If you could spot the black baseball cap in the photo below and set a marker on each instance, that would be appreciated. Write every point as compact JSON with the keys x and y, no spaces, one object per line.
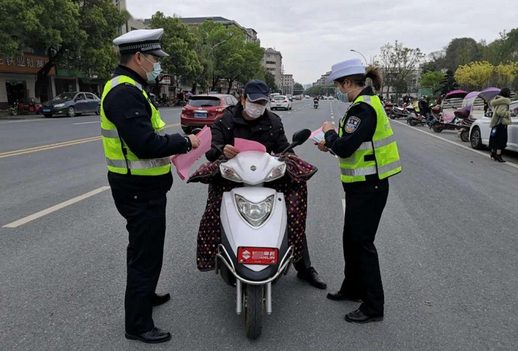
{"x":256,"y":90}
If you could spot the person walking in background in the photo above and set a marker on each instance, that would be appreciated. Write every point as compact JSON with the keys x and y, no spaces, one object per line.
{"x":499,"y":122}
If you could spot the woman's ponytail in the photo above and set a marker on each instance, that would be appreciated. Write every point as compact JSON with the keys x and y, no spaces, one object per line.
{"x":374,"y":74}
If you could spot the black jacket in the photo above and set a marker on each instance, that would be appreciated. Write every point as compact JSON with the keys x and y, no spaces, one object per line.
{"x":127,"y":108}
{"x":354,"y":136}
{"x":267,"y":130}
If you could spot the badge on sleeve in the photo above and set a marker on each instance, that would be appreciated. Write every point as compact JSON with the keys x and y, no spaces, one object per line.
{"x":352,"y":124}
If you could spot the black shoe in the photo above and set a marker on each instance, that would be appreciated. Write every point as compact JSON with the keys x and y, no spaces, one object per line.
{"x":340,"y":296}
{"x":311,"y":276}
{"x":360,"y":317}
{"x":154,"y":336}
{"x":499,"y":158}
{"x":158,"y":300}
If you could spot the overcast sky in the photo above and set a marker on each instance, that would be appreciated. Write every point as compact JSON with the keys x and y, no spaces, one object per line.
{"x":314,"y":34}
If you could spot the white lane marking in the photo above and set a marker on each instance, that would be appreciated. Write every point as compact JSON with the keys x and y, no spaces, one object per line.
{"x":343,"y":204}
{"x":511,"y":164}
{"x":76,"y":124}
{"x":29,"y":120}
{"x":55,"y":208}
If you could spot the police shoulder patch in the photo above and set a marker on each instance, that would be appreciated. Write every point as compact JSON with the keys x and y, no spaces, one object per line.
{"x":352,"y":124}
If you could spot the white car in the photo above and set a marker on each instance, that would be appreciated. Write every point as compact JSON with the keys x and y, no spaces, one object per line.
{"x":280,"y":101}
{"x":479,"y":131}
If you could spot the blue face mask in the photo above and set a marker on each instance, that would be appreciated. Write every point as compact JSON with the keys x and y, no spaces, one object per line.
{"x":155,"y":73}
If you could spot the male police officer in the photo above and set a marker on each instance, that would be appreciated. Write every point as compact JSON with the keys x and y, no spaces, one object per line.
{"x":139,"y":172}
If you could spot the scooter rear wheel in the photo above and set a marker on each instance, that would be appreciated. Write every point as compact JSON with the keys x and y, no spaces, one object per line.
{"x":253,"y":311}
{"x":464,"y":135}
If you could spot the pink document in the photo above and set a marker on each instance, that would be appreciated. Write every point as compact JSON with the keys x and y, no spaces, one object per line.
{"x":184,"y":162}
{"x":248,"y":145}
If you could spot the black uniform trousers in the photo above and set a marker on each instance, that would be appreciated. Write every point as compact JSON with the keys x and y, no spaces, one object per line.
{"x":145,"y":216}
{"x":364,"y":207}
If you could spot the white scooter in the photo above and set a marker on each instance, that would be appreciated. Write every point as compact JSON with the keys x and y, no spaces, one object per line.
{"x":254,"y":249}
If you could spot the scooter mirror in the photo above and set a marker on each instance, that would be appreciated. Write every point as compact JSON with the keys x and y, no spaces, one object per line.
{"x":301,"y":136}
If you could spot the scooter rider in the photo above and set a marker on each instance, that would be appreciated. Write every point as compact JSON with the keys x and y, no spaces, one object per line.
{"x":250,"y":119}
{"x":368,"y":155}
{"x":424,"y":108}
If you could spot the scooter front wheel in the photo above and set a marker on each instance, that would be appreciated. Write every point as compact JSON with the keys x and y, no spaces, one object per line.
{"x":436,"y":128}
{"x":253,"y":311}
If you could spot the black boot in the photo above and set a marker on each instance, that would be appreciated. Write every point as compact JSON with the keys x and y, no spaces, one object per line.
{"x":499,"y":158}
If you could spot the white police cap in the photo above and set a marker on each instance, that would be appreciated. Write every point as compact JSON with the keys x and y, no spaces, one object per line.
{"x":346,"y":68}
{"x":144,"y":40}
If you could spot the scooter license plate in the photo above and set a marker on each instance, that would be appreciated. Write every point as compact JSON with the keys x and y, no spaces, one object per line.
{"x":257,"y":255}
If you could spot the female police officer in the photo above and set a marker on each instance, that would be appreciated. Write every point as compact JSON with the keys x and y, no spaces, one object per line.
{"x":368,"y":155}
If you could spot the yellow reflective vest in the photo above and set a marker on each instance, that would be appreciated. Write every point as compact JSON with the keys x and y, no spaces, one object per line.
{"x":119,"y":157}
{"x":385,"y":162}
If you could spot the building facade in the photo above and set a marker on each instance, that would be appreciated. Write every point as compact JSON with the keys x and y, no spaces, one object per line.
{"x":272,"y":61}
{"x":287,"y":84}
{"x":18,"y":77}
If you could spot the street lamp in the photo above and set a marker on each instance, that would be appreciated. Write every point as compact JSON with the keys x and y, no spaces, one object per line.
{"x":364,"y":59}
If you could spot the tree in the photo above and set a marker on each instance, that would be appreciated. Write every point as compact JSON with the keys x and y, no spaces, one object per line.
{"x":504,"y":49}
{"x":73,"y":33}
{"x":320,"y":90}
{"x":399,"y":66}
{"x":475,"y":75}
{"x":462,"y":51}
{"x":504,"y":74}
{"x":269,"y":79}
{"x":298,"y":89}
{"x":99,"y":21}
{"x":448,"y":83}
{"x":227,"y":55}
{"x":180,"y":43}
{"x":432,"y":80}
{"x":479,"y":75}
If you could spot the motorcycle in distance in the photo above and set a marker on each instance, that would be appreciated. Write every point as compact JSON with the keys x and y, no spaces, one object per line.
{"x":315,"y":104}
{"x":398,"y":112}
{"x":254,"y":250}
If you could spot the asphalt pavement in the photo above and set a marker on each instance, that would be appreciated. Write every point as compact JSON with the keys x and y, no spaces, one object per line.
{"x":447,"y":244}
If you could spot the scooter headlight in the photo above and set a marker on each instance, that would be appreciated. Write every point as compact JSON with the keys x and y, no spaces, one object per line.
{"x":229,"y":173}
{"x":254,"y":213}
{"x":276,"y":173}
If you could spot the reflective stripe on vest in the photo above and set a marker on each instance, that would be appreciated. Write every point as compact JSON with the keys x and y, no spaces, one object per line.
{"x":119,"y":157}
{"x":383,"y":147}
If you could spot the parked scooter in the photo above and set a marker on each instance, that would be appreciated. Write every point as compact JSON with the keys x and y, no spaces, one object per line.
{"x":254,"y":249}
{"x":13,"y":108}
{"x":458,"y":121}
{"x":398,"y":112}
